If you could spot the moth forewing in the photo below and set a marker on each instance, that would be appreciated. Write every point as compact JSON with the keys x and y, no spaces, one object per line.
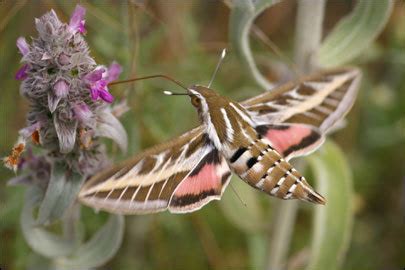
{"x":181,"y":175}
{"x":319,"y":100}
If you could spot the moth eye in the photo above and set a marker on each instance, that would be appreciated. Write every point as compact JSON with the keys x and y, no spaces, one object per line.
{"x":195,"y":101}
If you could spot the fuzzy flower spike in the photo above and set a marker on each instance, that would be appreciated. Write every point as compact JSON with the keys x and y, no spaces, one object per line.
{"x":68,"y":96}
{"x":60,"y":146}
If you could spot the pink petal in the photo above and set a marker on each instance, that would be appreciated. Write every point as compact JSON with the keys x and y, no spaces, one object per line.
{"x":95,"y":75}
{"x":106,"y":96}
{"x":61,"y":88}
{"x":101,"y":84}
{"x":94,"y":93}
{"x":77,"y":18}
{"x":22,"y":73}
{"x":81,"y":28}
{"x":114,"y":71}
{"x":23,"y":45}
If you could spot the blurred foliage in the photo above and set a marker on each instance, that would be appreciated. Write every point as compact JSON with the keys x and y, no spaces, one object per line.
{"x":183,"y":39}
{"x":332,"y":223}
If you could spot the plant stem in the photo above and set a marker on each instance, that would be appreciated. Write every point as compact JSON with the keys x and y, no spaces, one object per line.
{"x":308,"y":34}
{"x":282,"y":233}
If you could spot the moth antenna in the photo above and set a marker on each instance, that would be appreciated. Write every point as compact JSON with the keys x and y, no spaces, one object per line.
{"x":150,"y":77}
{"x":237,"y":195}
{"x":221,"y":58}
{"x":170,"y":93}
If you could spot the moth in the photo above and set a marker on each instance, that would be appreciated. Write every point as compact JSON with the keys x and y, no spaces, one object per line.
{"x":253,"y":139}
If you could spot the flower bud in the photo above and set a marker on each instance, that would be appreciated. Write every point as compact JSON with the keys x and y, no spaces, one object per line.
{"x":22,"y":73}
{"x":23,"y":46}
{"x":63,"y":59}
{"x":61,"y":88}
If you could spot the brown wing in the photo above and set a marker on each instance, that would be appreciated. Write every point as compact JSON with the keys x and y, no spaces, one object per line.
{"x":320,"y":100}
{"x":181,"y":175}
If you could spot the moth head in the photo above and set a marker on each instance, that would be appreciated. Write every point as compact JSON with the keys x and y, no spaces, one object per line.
{"x":202,"y":97}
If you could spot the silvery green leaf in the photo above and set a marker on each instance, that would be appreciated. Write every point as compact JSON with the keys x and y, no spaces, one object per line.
{"x":18,"y":180}
{"x":60,"y":194}
{"x":247,"y":217}
{"x":110,"y":127}
{"x":332,"y":222}
{"x":99,"y":249}
{"x":53,"y":101}
{"x":66,"y":132}
{"x":243,"y":15}
{"x":355,"y":32}
{"x":81,"y":58}
{"x":41,"y":241}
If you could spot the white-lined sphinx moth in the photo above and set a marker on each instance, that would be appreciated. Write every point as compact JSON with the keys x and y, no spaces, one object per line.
{"x":253,"y":139}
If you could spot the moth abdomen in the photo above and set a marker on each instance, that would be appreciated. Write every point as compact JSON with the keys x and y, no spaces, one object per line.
{"x":265,"y":169}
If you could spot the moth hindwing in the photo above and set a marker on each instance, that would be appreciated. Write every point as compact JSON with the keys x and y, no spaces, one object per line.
{"x":254,"y":139}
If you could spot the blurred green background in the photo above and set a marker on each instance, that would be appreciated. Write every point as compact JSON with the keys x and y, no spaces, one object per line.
{"x":183,"y":39}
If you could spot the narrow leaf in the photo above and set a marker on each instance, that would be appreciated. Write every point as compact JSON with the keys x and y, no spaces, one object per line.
{"x":41,"y":241}
{"x":332,"y":222}
{"x":60,"y":194}
{"x":355,"y":32}
{"x":243,"y":15}
{"x":99,"y":249}
{"x":110,"y":127}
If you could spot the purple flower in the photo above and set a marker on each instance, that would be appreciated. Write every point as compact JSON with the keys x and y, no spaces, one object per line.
{"x":81,"y":28}
{"x":106,"y":96}
{"x":95,"y":75}
{"x":22,"y":73}
{"x":98,"y":85}
{"x":23,"y":46}
{"x":82,"y":112}
{"x":61,"y":88}
{"x":77,"y":21}
{"x":114,"y":71}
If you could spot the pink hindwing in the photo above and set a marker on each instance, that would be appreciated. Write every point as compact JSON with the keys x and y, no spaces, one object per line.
{"x":292,"y":140}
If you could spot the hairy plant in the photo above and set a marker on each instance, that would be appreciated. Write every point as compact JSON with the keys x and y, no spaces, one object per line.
{"x":69,"y":111}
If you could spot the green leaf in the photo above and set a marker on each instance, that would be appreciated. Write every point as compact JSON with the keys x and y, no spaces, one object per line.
{"x":354,"y":33}
{"x":332,"y":222}
{"x":257,"y":247}
{"x":99,"y":249}
{"x":249,"y":217}
{"x":242,"y":17}
{"x":41,"y":241}
{"x":60,"y":194}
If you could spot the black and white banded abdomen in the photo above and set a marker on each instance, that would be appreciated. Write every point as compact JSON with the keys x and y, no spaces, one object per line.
{"x":262,"y":167}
